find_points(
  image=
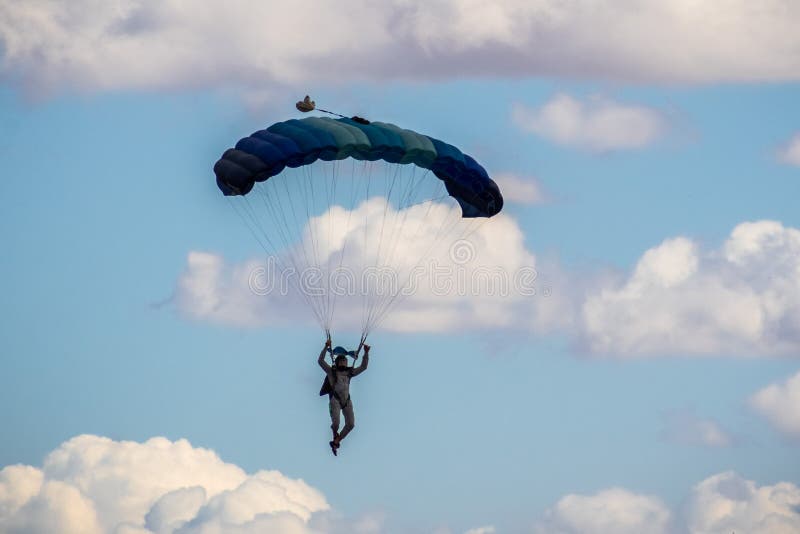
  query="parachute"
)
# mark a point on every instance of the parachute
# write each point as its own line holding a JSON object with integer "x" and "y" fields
{"x": 339, "y": 197}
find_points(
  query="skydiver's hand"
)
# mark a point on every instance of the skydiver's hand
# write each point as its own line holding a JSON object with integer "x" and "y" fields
{"x": 328, "y": 343}
{"x": 366, "y": 349}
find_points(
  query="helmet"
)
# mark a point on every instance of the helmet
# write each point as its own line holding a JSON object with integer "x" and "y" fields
{"x": 341, "y": 354}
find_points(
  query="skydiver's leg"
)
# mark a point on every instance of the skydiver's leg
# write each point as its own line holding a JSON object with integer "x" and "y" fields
{"x": 349, "y": 420}
{"x": 335, "y": 410}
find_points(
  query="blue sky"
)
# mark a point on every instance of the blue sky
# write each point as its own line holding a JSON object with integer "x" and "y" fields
{"x": 667, "y": 194}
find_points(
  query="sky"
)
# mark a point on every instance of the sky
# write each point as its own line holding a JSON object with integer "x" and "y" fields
{"x": 644, "y": 377}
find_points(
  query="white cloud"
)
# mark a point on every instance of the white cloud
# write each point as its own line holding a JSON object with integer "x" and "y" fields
{"x": 211, "y": 290}
{"x": 485, "y": 281}
{"x": 726, "y": 503}
{"x": 174, "y": 509}
{"x": 780, "y": 404}
{"x": 94, "y": 484}
{"x": 741, "y": 299}
{"x": 790, "y": 152}
{"x": 612, "y": 510}
{"x": 49, "y": 45}
{"x": 519, "y": 189}
{"x": 58, "y": 507}
{"x": 721, "y": 504}
{"x": 596, "y": 124}
{"x": 686, "y": 428}
{"x": 18, "y": 485}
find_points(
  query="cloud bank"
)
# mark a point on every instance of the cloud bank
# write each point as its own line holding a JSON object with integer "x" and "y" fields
{"x": 92, "y": 484}
{"x": 720, "y": 504}
{"x": 681, "y": 298}
{"x": 726, "y": 503}
{"x": 743, "y": 298}
{"x": 487, "y": 280}
{"x": 613, "y": 510}
{"x": 49, "y": 45}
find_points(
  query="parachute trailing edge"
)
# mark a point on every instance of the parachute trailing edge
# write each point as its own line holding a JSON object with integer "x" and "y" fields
{"x": 299, "y": 142}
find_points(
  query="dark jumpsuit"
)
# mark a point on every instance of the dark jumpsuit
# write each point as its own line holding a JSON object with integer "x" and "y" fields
{"x": 339, "y": 400}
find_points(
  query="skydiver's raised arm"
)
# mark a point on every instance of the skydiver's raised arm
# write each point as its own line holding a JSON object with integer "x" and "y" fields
{"x": 321, "y": 360}
{"x": 364, "y": 362}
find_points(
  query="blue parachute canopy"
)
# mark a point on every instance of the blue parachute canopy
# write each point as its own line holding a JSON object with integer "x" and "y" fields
{"x": 299, "y": 142}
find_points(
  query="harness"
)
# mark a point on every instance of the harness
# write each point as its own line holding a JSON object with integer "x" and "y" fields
{"x": 339, "y": 399}
{"x": 334, "y": 394}
{"x": 327, "y": 387}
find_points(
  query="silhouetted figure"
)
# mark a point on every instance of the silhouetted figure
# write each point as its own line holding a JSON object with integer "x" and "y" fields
{"x": 337, "y": 386}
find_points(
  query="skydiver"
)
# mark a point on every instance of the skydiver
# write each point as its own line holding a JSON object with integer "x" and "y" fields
{"x": 337, "y": 386}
